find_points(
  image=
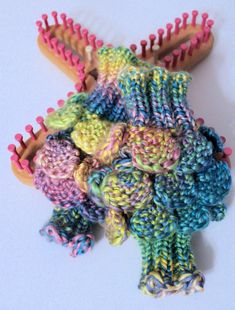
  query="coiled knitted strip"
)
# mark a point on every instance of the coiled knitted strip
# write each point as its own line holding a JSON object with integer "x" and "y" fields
{"x": 68, "y": 228}
{"x": 94, "y": 182}
{"x": 90, "y": 133}
{"x": 61, "y": 135}
{"x": 83, "y": 170}
{"x": 153, "y": 150}
{"x": 106, "y": 100}
{"x": 213, "y": 137}
{"x": 111, "y": 147}
{"x": 57, "y": 158}
{"x": 116, "y": 230}
{"x": 196, "y": 152}
{"x": 192, "y": 218}
{"x": 62, "y": 192}
{"x": 159, "y": 98}
{"x": 187, "y": 279}
{"x": 214, "y": 183}
{"x": 175, "y": 191}
{"x": 217, "y": 212}
{"x": 133, "y": 84}
{"x": 126, "y": 190}
{"x": 182, "y": 114}
{"x": 69, "y": 114}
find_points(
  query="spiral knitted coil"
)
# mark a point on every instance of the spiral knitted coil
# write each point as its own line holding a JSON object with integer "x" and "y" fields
{"x": 153, "y": 150}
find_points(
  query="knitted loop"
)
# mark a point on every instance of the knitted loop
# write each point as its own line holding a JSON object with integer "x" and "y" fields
{"x": 62, "y": 192}
{"x": 57, "y": 158}
{"x": 83, "y": 170}
{"x": 213, "y": 137}
{"x": 153, "y": 150}
{"x": 196, "y": 152}
{"x": 192, "y": 218}
{"x": 214, "y": 183}
{"x": 90, "y": 133}
{"x": 61, "y": 135}
{"x": 94, "y": 185}
{"x": 152, "y": 222}
{"x": 174, "y": 191}
{"x": 111, "y": 147}
{"x": 116, "y": 229}
{"x": 126, "y": 190}
{"x": 81, "y": 244}
{"x": 191, "y": 283}
{"x": 217, "y": 212}
{"x": 69, "y": 114}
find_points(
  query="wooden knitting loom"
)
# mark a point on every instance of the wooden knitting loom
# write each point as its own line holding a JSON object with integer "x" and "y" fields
{"x": 74, "y": 51}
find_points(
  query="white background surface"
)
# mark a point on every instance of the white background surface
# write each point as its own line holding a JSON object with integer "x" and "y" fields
{"x": 37, "y": 275}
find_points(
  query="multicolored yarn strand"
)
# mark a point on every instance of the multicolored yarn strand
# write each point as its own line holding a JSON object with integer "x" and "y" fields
{"x": 70, "y": 229}
{"x": 131, "y": 156}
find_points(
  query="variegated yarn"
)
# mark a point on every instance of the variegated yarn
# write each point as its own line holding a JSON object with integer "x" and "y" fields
{"x": 132, "y": 157}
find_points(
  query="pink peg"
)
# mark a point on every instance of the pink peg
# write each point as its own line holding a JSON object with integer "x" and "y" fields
{"x": 43, "y": 35}
{"x": 55, "y": 16}
{"x": 61, "y": 48}
{"x": 228, "y": 151}
{"x": 26, "y": 166}
{"x": 19, "y": 138}
{"x": 152, "y": 39}
{"x": 70, "y": 24}
{"x": 64, "y": 20}
{"x": 50, "y": 110}
{"x": 77, "y": 28}
{"x": 194, "y": 17}
{"x": 92, "y": 41}
{"x": 78, "y": 87}
{"x": 110, "y": 45}
{"x": 39, "y": 25}
{"x": 223, "y": 139}
{"x": 199, "y": 37}
{"x": 160, "y": 36}
{"x": 75, "y": 59}
{"x": 48, "y": 39}
{"x": 193, "y": 44}
{"x": 81, "y": 68}
{"x": 15, "y": 159}
{"x": 200, "y": 121}
{"x": 185, "y": 18}
{"x": 45, "y": 19}
{"x": 68, "y": 55}
{"x": 143, "y": 44}
{"x": 60, "y": 103}
{"x": 85, "y": 36}
{"x": 183, "y": 48}
{"x": 206, "y": 34}
{"x": 133, "y": 48}
{"x": 167, "y": 61}
{"x": 210, "y": 23}
{"x": 29, "y": 130}
{"x": 204, "y": 18}
{"x": 169, "y": 27}
{"x": 54, "y": 43}
{"x": 70, "y": 93}
{"x": 40, "y": 121}
{"x": 99, "y": 43}
{"x": 12, "y": 148}
{"x": 175, "y": 54}
{"x": 177, "y": 25}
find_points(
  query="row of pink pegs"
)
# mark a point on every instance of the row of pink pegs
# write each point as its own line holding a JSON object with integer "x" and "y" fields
{"x": 206, "y": 25}
{"x": 68, "y": 24}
